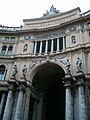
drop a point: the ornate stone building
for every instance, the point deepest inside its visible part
(45, 67)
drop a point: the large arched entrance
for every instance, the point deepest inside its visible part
(49, 101)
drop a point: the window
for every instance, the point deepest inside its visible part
(10, 50)
(54, 44)
(25, 47)
(3, 50)
(88, 24)
(12, 38)
(7, 38)
(43, 46)
(2, 72)
(49, 46)
(38, 47)
(73, 39)
(60, 43)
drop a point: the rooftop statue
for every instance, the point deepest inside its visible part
(52, 11)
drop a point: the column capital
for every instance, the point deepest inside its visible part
(67, 84)
(67, 80)
(80, 82)
(11, 87)
(13, 82)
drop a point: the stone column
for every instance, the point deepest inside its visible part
(40, 51)
(34, 116)
(63, 43)
(52, 46)
(19, 103)
(81, 100)
(39, 109)
(87, 105)
(69, 108)
(2, 105)
(46, 46)
(27, 104)
(35, 47)
(57, 44)
(76, 104)
(9, 104)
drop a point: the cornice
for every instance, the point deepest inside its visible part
(62, 25)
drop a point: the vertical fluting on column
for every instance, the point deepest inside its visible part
(57, 44)
(69, 107)
(81, 100)
(40, 51)
(34, 116)
(2, 105)
(87, 102)
(76, 104)
(27, 104)
(19, 103)
(23, 105)
(39, 109)
(35, 46)
(9, 104)
(14, 106)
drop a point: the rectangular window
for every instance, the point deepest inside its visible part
(65, 41)
(49, 45)
(38, 47)
(43, 46)
(54, 45)
(60, 43)
(7, 38)
(12, 38)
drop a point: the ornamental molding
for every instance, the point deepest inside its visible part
(49, 21)
(50, 34)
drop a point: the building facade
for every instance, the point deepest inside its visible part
(45, 67)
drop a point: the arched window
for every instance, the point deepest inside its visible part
(10, 50)
(73, 39)
(25, 47)
(2, 72)
(3, 50)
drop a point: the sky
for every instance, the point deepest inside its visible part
(12, 12)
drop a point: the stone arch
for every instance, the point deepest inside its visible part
(38, 67)
(48, 91)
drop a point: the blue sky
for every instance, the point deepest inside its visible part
(12, 12)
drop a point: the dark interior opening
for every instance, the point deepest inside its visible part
(55, 102)
(48, 80)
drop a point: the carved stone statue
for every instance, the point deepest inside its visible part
(78, 64)
(24, 71)
(67, 66)
(51, 12)
(15, 70)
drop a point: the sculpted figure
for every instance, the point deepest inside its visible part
(15, 70)
(79, 63)
(67, 66)
(24, 71)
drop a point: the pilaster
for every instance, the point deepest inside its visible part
(68, 93)
(9, 102)
(19, 103)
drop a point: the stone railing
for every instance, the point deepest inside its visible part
(6, 28)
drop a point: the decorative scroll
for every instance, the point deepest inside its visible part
(66, 63)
